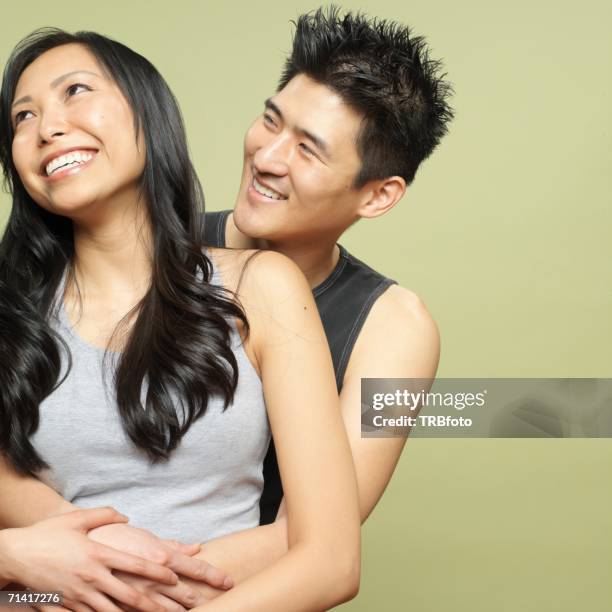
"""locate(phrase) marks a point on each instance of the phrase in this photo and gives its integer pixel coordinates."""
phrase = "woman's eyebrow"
(62, 78)
(55, 83)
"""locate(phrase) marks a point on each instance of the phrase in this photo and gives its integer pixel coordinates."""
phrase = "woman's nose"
(52, 126)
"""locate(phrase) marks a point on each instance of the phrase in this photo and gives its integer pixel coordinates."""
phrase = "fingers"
(68, 606)
(181, 593)
(72, 605)
(201, 570)
(132, 564)
(88, 519)
(126, 594)
(100, 603)
(168, 604)
(186, 549)
(208, 593)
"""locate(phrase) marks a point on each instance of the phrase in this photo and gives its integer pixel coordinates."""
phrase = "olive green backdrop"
(505, 234)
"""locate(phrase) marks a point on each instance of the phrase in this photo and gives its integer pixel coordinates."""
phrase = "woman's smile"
(68, 162)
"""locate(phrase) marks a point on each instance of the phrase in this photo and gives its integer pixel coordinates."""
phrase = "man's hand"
(174, 598)
(172, 554)
(56, 555)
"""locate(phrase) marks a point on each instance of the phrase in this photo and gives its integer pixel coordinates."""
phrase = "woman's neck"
(113, 260)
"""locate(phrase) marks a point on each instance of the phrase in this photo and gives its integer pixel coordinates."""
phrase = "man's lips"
(260, 187)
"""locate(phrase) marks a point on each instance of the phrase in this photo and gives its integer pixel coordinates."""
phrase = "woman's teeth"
(265, 191)
(75, 158)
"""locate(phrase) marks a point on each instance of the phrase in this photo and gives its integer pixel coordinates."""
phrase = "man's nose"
(273, 157)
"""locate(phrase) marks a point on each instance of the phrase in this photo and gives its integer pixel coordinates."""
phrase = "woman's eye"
(21, 115)
(77, 88)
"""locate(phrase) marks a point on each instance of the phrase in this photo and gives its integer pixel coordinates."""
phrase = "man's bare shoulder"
(403, 306)
(399, 338)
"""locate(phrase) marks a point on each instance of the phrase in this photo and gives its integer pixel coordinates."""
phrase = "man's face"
(300, 162)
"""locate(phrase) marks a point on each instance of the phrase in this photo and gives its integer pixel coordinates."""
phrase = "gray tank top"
(209, 487)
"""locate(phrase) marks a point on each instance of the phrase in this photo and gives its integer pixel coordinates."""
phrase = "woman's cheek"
(18, 149)
(21, 158)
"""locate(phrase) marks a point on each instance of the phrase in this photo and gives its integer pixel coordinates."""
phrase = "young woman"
(129, 372)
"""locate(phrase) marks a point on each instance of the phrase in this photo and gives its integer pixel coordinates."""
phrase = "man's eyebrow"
(55, 83)
(271, 106)
(317, 140)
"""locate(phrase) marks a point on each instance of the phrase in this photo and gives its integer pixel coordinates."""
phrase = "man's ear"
(381, 196)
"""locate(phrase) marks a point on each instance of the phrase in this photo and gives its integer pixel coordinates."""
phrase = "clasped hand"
(100, 563)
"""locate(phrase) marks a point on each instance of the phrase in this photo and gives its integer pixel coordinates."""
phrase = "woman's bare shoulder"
(256, 274)
(229, 264)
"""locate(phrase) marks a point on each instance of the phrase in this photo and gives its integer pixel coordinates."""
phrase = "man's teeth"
(259, 188)
(75, 158)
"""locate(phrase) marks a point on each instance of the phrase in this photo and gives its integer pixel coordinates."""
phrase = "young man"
(358, 108)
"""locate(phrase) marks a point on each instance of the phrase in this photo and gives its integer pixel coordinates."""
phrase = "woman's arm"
(398, 340)
(323, 537)
(321, 567)
(25, 500)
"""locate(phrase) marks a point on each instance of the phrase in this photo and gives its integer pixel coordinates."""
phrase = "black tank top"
(344, 300)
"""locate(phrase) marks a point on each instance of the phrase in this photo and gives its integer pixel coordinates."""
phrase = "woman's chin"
(75, 209)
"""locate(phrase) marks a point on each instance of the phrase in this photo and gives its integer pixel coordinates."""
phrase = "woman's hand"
(56, 555)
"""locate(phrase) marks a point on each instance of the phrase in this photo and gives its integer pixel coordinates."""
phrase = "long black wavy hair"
(180, 341)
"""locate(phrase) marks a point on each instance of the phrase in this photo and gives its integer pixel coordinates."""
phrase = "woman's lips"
(71, 169)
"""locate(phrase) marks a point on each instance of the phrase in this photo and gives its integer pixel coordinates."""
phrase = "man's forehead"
(318, 108)
(303, 92)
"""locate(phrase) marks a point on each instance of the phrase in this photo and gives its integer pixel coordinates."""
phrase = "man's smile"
(265, 190)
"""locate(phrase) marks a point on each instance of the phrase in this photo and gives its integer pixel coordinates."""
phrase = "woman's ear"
(381, 196)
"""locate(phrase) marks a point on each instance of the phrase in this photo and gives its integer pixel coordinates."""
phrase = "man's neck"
(316, 261)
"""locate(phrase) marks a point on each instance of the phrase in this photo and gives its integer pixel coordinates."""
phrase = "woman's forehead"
(54, 64)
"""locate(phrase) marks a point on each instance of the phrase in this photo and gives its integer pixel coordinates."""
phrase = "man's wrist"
(7, 565)
(63, 507)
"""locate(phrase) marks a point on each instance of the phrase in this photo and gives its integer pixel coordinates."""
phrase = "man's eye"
(268, 119)
(21, 115)
(306, 149)
(76, 88)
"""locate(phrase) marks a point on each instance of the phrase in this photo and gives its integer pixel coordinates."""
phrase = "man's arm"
(398, 340)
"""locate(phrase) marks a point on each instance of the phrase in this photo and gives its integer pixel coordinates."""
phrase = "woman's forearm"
(306, 579)
(244, 553)
(26, 500)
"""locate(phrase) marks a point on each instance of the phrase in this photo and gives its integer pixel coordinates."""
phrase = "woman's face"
(75, 146)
